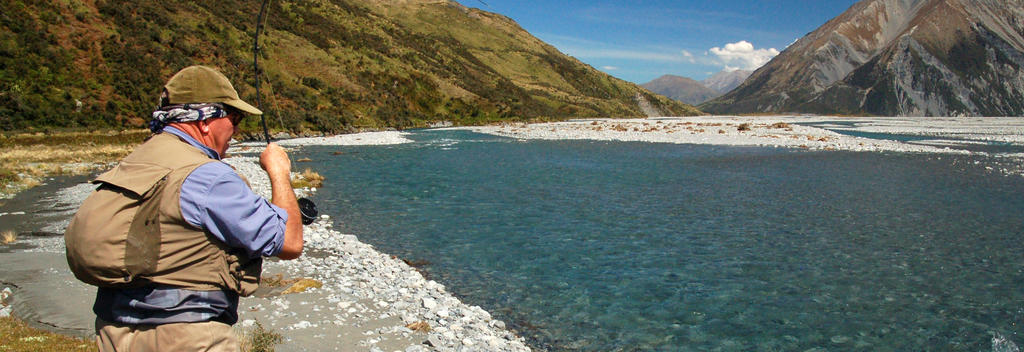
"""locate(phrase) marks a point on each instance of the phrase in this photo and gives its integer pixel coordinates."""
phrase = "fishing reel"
(308, 210)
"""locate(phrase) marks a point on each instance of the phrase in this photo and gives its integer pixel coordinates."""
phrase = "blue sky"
(639, 41)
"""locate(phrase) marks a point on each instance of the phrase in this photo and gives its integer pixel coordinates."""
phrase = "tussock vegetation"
(295, 285)
(277, 281)
(30, 157)
(302, 285)
(307, 179)
(8, 237)
(260, 339)
(419, 326)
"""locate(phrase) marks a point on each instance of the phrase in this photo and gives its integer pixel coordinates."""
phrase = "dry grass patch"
(295, 285)
(307, 179)
(420, 326)
(277, 281)
(15, 335)
(29, 158)
(8, 237)
(260, 339)
(302, 285)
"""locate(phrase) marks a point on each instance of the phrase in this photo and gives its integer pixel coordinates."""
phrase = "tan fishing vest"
(130, 231)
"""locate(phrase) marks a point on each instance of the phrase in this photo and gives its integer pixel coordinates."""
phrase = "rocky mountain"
(683, 89)
(897, 57)
(725, 81)
(690, 91)
(329, 65)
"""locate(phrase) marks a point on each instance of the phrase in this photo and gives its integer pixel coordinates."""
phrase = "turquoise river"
(615, 246)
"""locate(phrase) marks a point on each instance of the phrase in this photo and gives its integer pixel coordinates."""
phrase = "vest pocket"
(245, 273)
(114, 238)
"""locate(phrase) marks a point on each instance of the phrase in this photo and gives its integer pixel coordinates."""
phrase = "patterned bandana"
(185, 113)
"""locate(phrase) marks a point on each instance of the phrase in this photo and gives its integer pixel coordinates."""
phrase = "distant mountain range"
(683, 89)
(897, 57)
(690, 91)
(329, 66)
(725, 81)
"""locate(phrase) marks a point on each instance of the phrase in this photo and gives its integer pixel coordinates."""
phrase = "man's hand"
(275, 162)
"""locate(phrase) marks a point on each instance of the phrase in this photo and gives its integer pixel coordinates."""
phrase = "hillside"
(897, 57)
(683, 89)
(329, 65)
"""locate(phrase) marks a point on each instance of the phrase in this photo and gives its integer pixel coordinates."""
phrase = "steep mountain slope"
(329, 65)
(897, 57)
(725, 81)
(683, 89)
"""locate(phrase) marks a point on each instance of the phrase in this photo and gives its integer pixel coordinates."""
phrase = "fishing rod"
(256, 67)
(306, 207)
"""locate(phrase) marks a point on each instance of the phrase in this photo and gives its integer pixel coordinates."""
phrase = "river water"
(615, 246)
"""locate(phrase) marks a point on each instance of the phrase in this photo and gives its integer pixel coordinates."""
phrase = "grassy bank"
(15, 335)
(28, 158)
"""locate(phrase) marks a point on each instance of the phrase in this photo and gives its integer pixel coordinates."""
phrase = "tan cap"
(201, 84)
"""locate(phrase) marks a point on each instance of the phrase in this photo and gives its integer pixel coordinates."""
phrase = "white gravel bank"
(778, 131)
(366, 138)
(943, 135)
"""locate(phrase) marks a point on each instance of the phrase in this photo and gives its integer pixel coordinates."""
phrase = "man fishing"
(172, 236)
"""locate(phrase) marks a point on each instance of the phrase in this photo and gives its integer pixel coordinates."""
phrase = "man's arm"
(275, 162)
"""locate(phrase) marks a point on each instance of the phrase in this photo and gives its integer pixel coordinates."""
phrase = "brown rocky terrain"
(897, 58)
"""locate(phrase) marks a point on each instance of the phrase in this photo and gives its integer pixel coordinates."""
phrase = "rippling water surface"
(598, 246)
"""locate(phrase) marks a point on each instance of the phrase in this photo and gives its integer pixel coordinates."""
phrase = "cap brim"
(241, 105)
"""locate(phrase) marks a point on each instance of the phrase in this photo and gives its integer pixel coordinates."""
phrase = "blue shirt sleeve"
(216, 199)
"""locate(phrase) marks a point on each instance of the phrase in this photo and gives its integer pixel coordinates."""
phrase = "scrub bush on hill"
(33, 69)
(330, 66)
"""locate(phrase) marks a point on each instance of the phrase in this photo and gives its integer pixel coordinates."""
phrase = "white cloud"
(609, 68)
(742, 55)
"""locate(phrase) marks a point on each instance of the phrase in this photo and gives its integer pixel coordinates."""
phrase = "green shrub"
(260, 339)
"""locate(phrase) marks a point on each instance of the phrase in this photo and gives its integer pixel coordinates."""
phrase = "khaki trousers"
(207, 336)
